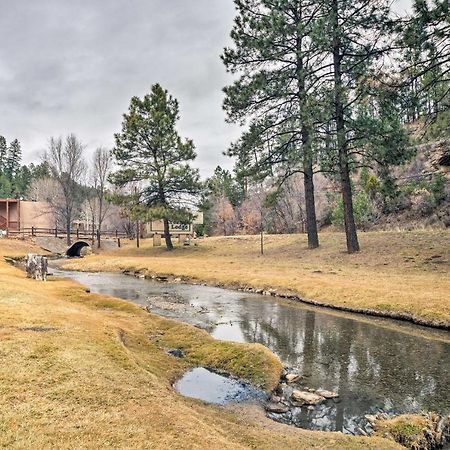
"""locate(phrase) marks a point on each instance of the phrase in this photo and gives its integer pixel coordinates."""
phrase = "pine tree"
(41, 170)
(426, 35)
(223, 184)
(22, 181)
(3, 154)
(6, 189)
(354, 38)
(13, 160)
(150, 151)
(275, 54)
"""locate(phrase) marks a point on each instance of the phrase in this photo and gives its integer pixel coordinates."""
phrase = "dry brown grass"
(85, 371)
(405, 272)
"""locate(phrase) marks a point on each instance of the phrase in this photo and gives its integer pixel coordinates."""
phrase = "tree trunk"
(344, 169)
(310, 202)
(167, 237)
(93, 231)
(100, 220)
(68, 230)
(349, 219)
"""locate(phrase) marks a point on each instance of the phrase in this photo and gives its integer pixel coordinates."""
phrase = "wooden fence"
(59, 233)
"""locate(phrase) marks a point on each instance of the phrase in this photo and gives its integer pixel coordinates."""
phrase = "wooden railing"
(60, 233)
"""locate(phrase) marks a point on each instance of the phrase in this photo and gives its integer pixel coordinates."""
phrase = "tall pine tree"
(3, 154)
(13, 160)
(355, 39)
(276, 57)
(426, 35)
(149, 151)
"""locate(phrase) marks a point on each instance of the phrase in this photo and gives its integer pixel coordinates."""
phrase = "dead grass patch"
(102, 378)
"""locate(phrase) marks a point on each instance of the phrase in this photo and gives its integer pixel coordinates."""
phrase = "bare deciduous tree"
(101, 166)
(67, 167)
(223, 217)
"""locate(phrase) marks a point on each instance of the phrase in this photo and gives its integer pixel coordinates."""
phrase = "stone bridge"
(76, 247)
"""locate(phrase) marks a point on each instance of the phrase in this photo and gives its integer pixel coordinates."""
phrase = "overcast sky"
(73, 65)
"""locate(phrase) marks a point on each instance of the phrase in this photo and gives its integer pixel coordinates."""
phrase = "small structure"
(183, 231)
(20, 214)
(9, 214)
(36, 267)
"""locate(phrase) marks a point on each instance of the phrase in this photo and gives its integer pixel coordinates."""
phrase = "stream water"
(375, 365)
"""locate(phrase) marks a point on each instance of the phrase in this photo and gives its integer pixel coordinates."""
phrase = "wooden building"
(17, 215)
(9, 214)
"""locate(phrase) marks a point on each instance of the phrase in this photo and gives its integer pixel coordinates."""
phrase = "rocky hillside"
(424, 190)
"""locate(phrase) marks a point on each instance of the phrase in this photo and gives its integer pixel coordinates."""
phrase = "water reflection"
(373, 367)
(211, 387)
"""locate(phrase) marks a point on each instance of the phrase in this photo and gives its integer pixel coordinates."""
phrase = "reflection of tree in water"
(372, 368)
(276, 330)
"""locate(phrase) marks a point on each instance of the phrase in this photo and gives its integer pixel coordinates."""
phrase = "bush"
(437, 187)
(369, 183)
(426, 195)
(389, 193)
(438, 128)
(362, 207)
(423, 202)
(200, 229)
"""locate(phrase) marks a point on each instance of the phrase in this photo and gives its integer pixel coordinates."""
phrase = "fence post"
(78, 233)
(56, 231)
(32, 231)
(117, 235)
(118, 242)
(138, 233)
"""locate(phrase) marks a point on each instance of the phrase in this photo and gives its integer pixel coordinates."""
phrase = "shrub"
(423, 202)
(362, 207)
(437, 187)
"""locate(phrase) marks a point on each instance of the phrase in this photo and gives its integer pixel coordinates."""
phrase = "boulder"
(177, 352)
(370, 418)
(307, 398)
(327, 394)
(276, 408)
(292, 377)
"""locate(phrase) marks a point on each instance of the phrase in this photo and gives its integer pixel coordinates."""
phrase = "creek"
(375, 365)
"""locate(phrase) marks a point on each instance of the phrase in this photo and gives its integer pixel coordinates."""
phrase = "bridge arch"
(75, 248)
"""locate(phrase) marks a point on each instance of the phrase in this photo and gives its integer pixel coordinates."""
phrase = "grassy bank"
(396, 272)
(80, 370)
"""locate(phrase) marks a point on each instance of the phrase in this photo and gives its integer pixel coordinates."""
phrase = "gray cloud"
(73, 65)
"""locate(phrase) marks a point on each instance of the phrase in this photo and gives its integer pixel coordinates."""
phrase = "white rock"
(327, 394)
(370, 418)
(307, 398)
(292, 377)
